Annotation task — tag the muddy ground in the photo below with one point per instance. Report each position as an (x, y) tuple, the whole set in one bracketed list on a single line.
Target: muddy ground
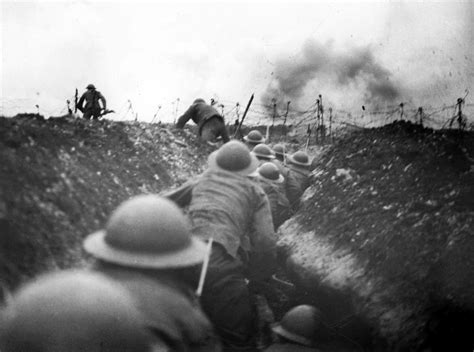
[(382, 243)]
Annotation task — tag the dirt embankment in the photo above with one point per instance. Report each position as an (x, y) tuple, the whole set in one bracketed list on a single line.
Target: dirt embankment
[(61, 178), (385, 233), (382, 243)]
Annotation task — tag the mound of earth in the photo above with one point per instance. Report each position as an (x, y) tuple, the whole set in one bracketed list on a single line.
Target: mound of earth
[(61, 178), (384, 237)]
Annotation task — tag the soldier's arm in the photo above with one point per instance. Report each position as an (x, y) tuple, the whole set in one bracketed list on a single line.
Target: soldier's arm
[(293, 190), (263, 256), (183, 194), (184, 118), (102, 99), (80, 102)]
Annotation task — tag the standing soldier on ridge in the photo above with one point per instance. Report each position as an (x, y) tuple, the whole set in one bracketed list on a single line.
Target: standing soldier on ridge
[(92, 108), (210, 123)]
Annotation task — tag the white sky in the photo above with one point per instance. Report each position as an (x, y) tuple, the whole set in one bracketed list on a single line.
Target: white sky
[(152, 53)]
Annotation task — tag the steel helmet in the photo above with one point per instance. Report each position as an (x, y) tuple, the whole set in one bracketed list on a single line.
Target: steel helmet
[(299, 158), (199, 101), (235, 157), (270, 171), (73, 311), (263, 151), (147, 231), (254, 137), (300, 324), (90, 86), (279, 149)]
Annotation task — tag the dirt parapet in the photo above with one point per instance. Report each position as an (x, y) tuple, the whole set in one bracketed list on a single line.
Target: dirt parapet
[(387, 225), (61, 178)]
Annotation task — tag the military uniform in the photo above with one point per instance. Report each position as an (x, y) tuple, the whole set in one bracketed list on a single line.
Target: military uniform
[(234, 211), (297, 180), (279, 204), (92, 108), (147, 247), (210, 123), (171, 309)]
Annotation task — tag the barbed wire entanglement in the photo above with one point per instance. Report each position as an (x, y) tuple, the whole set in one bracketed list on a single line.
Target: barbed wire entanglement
[(319, 120)]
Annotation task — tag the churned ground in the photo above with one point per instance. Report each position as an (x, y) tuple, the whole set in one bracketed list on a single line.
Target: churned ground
[(61, 178), (386, 233)]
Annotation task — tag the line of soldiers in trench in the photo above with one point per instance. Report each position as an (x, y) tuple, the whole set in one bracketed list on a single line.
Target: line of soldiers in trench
[(139, 294)]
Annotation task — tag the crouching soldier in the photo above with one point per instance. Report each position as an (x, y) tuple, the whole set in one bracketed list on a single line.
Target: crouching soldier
[(76, 312), (263, 153), (297, 178), (297, 331), (232, 210), (280, 158), (272, 183), (147, 247), (210, 123), (253, 138)]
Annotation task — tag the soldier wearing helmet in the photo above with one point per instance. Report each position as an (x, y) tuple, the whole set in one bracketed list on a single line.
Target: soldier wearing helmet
[(297, 178), (74, 311), (92, 108), (232, 210), (211, 124), (272, 182), (147, 247), (297, 331), (253, 138), (263, 153), (280, 156)]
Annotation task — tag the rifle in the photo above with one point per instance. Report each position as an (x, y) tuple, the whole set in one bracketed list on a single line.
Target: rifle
[(243, 117), (202, 277), (75, 102)]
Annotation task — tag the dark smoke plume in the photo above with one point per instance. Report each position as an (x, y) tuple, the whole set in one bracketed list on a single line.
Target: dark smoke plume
[(357, 67)]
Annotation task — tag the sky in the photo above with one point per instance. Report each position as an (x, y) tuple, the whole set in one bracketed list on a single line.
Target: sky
[(144, 56)]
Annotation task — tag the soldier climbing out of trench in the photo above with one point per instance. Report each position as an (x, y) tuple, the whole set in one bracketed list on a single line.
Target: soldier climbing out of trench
[(92, 108), (211, 124), (225, 205), (148, 249)]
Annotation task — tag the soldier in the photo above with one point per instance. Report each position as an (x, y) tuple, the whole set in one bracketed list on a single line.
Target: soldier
[(263, 153), (147, 247), (297, 178), (280, 152), (280, 158), (74, 311), (92, 107), (210, 123), (232, 210), (253, 138), (297, 331), (272, 183)]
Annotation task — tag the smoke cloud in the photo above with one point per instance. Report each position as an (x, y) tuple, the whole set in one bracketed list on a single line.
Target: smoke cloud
[(357, 68)]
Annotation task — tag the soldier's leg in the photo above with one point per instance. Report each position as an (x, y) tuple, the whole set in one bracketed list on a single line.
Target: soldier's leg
[(227, 302), (87, 114), (210, 130), (223, 132)]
